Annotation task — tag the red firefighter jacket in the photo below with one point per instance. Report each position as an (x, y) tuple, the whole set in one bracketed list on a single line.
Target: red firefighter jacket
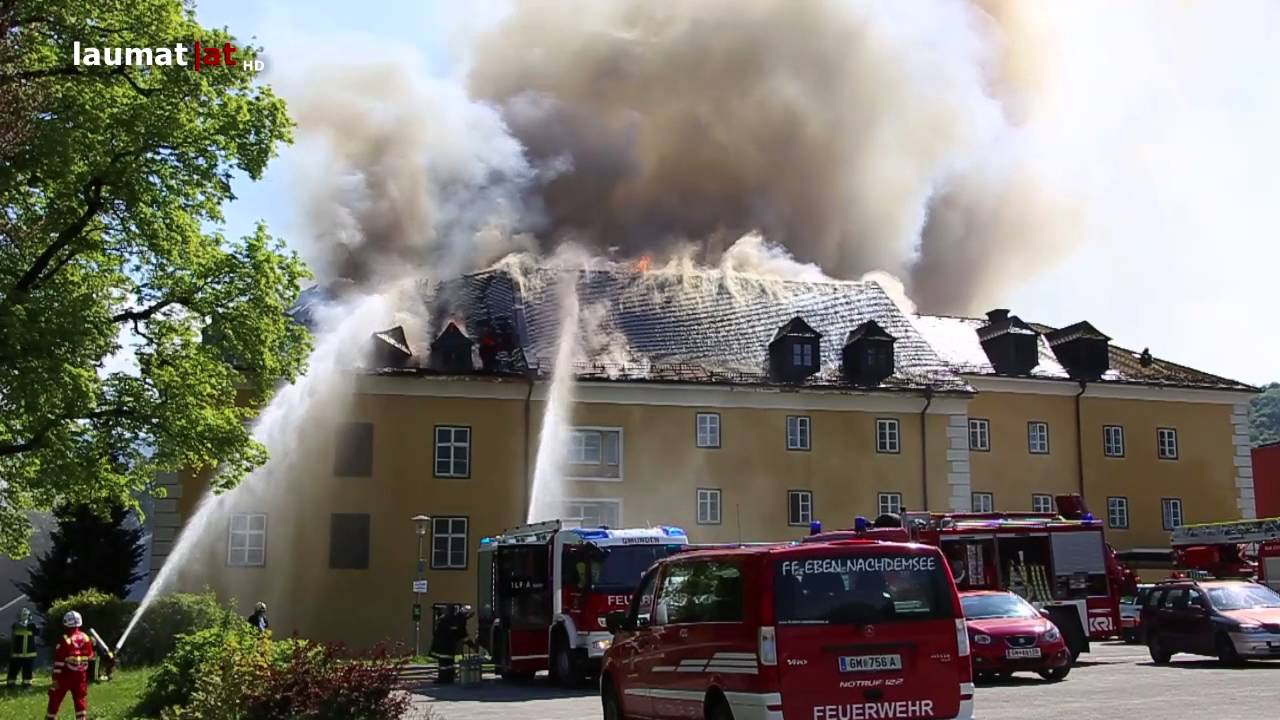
[(73, 653)]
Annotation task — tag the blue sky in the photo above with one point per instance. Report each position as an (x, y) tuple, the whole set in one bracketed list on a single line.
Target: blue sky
[(1200, 298)]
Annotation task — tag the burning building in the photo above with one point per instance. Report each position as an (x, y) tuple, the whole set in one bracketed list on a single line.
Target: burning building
[(736, 406)]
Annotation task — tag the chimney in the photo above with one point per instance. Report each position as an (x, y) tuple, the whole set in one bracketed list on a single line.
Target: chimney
[(1012, 346), (1082, 349), (390, 349), (794, 351), (868, 354), (451, 351)]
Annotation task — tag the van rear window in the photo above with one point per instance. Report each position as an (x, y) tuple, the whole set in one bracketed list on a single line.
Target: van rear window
[(861, 589)]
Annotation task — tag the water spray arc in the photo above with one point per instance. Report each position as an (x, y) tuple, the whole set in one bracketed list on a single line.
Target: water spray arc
[(326, 382), (553, 439)]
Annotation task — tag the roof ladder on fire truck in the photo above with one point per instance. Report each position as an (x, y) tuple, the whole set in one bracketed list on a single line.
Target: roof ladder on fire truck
[(1222, 533)]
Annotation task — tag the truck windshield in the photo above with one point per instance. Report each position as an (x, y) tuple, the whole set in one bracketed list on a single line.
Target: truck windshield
[(620, 569), (1243, 597), (981, 607), (861, 589)]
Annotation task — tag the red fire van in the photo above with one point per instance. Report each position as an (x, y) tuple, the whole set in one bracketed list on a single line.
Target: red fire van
[(842, 630)]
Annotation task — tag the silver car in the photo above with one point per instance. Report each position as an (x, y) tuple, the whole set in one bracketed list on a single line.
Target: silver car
[(1131, 614)]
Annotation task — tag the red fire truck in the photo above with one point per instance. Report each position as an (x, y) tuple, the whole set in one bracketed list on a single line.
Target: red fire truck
[(1058, 562), (544, 591), (1239, 548)]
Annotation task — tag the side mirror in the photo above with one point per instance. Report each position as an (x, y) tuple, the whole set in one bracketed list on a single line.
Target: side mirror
[(615, 621), (1044, 612), (660, 615)]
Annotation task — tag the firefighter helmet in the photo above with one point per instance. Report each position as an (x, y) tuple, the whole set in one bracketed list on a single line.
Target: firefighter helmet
[(72, 619), (260, 607)]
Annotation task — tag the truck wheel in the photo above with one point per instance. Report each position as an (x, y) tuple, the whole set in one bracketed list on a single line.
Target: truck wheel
[(1160, 655), (562, 667), (1227, 654)]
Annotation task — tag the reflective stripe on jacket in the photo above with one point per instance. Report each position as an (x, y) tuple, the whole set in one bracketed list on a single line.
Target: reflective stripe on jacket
[(24, 641)]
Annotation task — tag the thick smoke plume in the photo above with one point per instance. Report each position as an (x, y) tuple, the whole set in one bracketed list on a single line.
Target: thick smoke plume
[(960, 145)]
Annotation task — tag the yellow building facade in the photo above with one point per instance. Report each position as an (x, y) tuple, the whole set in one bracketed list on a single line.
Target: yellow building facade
[(328, 543)]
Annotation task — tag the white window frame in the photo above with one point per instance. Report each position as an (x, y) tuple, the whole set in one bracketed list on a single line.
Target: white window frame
[(888, 436), (1113, 441), (1035, 437), (576, 460), (1035, 500), (453, 446), (980, 434), (1167, 443), (709, 499), (1118, 512), (990, 503), (566, 502), (239, 548), (803, 431), (1171, 513), (707, 430), (451, 535), (889, 502), (805, 509)]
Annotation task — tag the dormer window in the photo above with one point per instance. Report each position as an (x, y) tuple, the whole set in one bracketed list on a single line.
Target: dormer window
[(1012, 346), (868, 354), (794, 352), (1082, 349), (390, 349), (451, 351)]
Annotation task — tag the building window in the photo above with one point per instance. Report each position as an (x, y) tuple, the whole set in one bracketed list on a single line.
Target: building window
[(353, 450), (979, 434), (708, 506), (449, 543), (453, 452), (595, 453), (247, 540), (592, 513), (349, 541), (983, 502), (1041, 503), (798, 432), (802, 355), (1171, 512), (799, 507), (1167, 443), (1113, 440), (708, 430), (887, 437), (889, 503), (1118, 513), (1038, 437)]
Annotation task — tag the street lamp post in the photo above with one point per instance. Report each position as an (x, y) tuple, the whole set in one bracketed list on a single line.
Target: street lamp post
[(420, 523)]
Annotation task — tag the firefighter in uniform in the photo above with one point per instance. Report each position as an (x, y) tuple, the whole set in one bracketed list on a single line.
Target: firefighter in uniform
[(22, 654), (71, 668), (449, 633), (259, 618)]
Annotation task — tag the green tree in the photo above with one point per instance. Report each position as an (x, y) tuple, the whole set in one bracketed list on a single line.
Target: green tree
[(111, 190), (1264, 415), (89, 550)]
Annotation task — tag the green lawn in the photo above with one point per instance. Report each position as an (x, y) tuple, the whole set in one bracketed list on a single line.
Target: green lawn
[(107, 701)]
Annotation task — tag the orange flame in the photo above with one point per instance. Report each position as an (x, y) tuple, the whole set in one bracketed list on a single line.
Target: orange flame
[(642, 264)]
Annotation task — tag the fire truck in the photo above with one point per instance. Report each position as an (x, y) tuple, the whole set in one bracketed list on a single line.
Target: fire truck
[(1058, 562), (1239, 548), (545, 589)]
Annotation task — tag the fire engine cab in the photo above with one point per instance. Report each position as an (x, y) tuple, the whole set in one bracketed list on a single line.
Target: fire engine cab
[(1061, 565), (545, 589), (1239, 548)]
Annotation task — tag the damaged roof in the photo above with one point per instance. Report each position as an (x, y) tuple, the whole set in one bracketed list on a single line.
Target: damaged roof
[(702, 327), (955, 339)]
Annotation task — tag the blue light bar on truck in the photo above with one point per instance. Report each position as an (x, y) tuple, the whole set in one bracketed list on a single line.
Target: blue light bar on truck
[(586, 534), (815, 527), (671, 531)]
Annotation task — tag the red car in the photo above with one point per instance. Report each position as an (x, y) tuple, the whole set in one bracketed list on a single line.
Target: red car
[(1008, 635)]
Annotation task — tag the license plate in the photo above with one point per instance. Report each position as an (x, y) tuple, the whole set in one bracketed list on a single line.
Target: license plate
[(870, 663), (1022, 653)]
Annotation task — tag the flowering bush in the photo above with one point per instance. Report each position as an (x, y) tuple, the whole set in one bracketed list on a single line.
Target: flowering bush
[(316, 681)]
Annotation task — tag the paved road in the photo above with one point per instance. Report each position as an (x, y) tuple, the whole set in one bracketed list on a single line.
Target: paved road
[(1115, 682)]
